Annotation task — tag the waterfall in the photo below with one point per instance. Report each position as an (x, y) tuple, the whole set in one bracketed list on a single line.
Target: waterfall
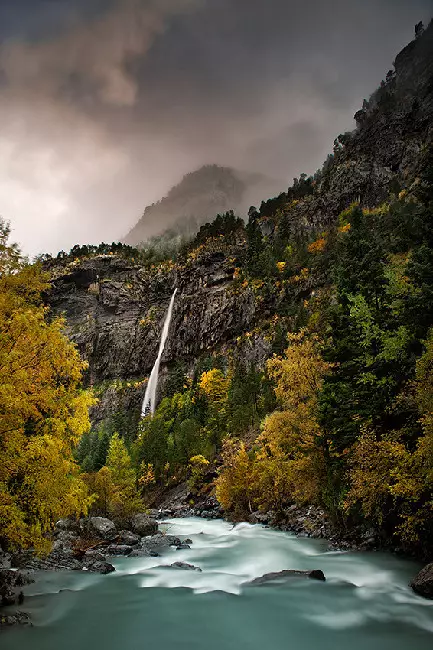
[(149, 401)]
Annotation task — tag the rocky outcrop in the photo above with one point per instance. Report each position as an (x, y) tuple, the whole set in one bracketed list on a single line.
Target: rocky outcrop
[(422, 584), (385, 150)]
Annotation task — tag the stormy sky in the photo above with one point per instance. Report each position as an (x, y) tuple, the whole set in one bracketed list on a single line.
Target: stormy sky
[(105, 104)]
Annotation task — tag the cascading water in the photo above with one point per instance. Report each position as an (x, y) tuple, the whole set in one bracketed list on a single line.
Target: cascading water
[(150, 602), (149, 401)]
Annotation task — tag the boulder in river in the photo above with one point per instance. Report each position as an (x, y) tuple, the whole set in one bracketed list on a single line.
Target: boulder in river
[(128, 538), (18, 618), (10, 586), (119, 549), (144, 525), (101, 527), (143, 552), (183, 565), (315, 574), (422, 584), (159, 542), (99, 567)]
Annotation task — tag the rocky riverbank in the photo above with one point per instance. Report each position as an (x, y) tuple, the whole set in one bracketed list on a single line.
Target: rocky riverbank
[(89, 544), (304, 521), (83, 545)]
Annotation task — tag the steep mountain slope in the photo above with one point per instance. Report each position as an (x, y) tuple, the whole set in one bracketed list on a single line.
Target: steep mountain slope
[(383, 154)]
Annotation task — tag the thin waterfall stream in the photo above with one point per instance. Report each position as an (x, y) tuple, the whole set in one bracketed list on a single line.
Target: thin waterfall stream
[(149, 402)]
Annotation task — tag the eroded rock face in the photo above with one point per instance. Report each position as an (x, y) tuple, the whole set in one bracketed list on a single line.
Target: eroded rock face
[(422, 584)]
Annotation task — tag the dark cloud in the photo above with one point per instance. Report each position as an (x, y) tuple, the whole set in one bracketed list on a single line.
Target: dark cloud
[(104, 104)]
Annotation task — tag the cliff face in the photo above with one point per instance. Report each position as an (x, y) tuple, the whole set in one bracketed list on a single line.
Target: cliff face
[(115, 308), (384, 152), (115, 311)]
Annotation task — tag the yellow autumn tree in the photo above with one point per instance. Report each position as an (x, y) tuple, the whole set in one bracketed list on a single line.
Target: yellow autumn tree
[(115, 485), (287, 463), (234, 486), (43, 410), (215, 387), (387, 474)]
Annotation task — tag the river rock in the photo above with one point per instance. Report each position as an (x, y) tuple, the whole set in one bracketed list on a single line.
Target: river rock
[(10, 586), (101, 527), (183, 565), (422, 584), (159, 542), (144, 525), (94, 554), (99, 567), (126, 537), (143, 552), (119, 549), (18, 618), (315, 574)]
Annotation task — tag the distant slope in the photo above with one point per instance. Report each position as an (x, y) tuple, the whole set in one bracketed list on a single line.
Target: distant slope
[(198, 198)]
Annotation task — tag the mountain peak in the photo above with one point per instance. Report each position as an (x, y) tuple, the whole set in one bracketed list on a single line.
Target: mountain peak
[(199, 197)]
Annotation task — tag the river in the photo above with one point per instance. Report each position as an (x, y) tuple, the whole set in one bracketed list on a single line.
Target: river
[(365, 602)]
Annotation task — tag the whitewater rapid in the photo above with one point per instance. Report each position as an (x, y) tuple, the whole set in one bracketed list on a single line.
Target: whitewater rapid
[(365, 601)]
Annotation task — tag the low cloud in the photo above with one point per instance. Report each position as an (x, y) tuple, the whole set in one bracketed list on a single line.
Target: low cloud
[(103, 114)]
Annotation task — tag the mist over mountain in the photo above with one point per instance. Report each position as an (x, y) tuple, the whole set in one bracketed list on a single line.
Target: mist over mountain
[(198, 198)]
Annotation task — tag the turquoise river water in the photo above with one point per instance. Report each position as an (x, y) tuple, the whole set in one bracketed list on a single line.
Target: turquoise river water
[(365, 603)]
